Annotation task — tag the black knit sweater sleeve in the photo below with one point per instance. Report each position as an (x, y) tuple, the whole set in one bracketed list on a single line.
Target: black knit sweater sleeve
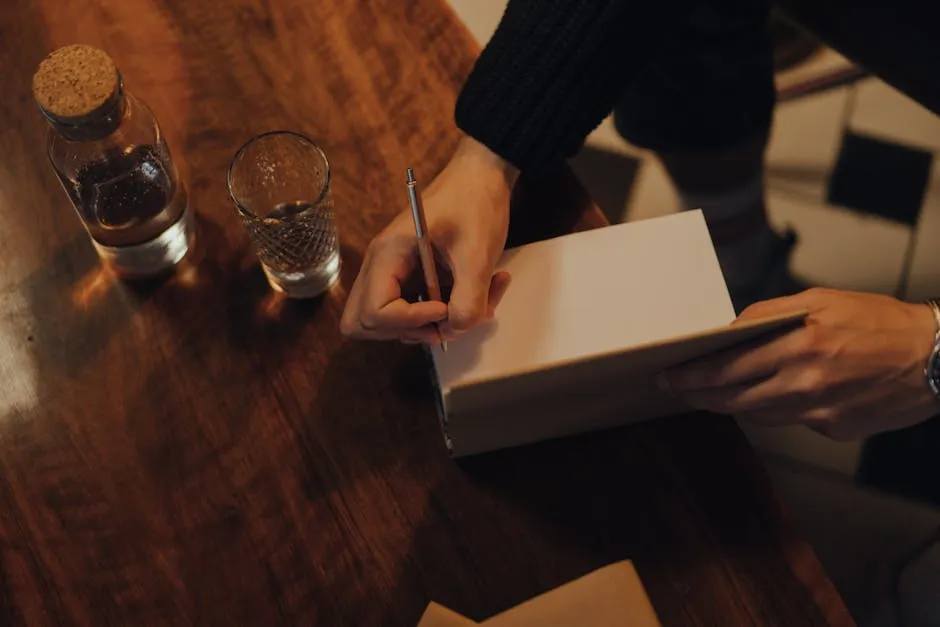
[(552, 71)]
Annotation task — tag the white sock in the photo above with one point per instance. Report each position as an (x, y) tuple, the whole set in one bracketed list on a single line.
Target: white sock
[(743, 259)]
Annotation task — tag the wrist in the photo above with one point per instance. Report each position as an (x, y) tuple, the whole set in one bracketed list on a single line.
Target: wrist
[(932, 363), (492, 167)]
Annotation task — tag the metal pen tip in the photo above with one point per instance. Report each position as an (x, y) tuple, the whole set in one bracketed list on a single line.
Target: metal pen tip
[(411, 176)]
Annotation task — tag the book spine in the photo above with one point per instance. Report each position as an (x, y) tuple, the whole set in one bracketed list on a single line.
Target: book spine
[(438, 398)]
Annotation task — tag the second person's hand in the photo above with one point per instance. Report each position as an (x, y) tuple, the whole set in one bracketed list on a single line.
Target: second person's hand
[(854, 369), (467, 209)]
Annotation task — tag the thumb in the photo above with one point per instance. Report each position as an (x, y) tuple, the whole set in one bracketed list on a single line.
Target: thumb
[(469, 300), (498, 286)]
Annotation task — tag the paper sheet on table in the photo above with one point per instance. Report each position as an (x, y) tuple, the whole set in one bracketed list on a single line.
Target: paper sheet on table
[(612, 596), (439, 616)]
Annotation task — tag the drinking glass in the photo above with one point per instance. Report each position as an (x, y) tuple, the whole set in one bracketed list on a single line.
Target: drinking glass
[(280, 184)]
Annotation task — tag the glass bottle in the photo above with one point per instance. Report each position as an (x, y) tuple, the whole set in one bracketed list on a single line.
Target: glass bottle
[(107, 150)]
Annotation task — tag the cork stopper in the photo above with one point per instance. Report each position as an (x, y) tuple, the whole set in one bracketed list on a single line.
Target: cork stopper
[(75, 82)]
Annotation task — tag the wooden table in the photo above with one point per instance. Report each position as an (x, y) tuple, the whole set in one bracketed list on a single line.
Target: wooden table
[(198, 452)]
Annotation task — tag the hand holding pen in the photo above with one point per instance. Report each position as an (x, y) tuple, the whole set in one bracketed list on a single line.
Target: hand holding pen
[(467, 215)]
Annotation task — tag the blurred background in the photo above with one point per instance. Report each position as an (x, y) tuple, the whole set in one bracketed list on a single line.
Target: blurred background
[(851, 168)]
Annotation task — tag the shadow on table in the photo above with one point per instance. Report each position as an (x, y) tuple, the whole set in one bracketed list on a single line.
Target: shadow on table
[(75, 305), (220, 291), (704, 532)]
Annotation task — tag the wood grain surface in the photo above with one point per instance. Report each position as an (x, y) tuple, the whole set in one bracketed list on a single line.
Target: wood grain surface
[(197, 451)]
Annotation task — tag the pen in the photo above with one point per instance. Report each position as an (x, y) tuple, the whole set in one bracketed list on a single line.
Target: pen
[(425, 249)]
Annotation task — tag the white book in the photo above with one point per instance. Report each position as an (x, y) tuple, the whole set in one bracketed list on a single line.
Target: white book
[(589, 320)]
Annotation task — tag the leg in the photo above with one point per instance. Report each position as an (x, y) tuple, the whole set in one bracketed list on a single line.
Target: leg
[(728, 186), (705, 106)]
